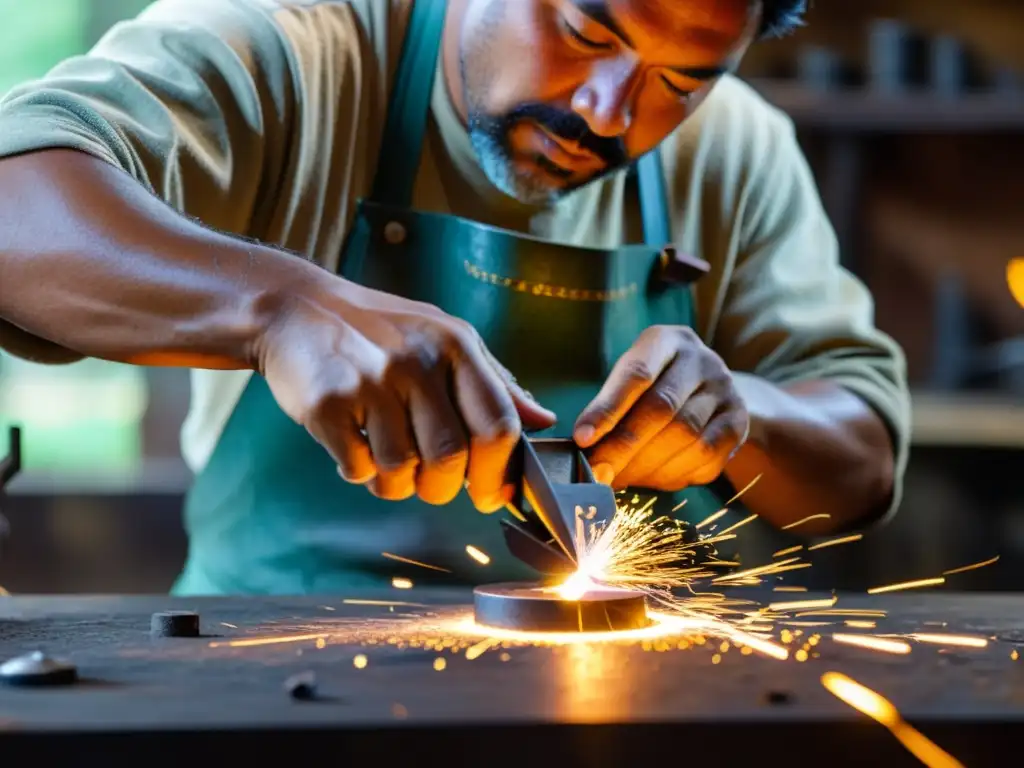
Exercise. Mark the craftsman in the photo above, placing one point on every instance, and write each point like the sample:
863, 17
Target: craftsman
387, 214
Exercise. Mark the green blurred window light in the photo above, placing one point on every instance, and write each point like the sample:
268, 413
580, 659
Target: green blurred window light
85, 416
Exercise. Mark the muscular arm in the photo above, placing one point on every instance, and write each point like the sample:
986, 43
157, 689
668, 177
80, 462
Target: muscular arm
97, 265
819, 449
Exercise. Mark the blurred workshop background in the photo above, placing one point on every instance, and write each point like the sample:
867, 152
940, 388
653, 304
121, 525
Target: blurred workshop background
912, 113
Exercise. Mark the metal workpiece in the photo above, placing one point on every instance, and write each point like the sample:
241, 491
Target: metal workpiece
536, 608
37, 669
174, 624
556, 496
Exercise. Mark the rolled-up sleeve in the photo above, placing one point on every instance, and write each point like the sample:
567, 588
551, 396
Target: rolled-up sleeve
792, 312
191, 99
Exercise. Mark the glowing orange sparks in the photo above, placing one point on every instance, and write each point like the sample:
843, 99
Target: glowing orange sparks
481, 557
972, 566
807, 519
873, 643
836, 542
908, 585
798, 605
875, 706
417, 563
400, 583
254, 641
963, 641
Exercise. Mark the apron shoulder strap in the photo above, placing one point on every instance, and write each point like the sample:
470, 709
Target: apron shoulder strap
409, 105
653, 200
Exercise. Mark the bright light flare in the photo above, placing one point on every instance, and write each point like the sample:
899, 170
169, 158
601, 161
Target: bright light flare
878, 708
873, 643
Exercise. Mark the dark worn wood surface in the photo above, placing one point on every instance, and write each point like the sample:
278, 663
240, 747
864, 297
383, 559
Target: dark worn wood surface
134, 683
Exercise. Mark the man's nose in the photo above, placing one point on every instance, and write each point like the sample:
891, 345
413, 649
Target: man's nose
605, 99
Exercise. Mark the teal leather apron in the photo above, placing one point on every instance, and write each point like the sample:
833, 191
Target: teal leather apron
269, 514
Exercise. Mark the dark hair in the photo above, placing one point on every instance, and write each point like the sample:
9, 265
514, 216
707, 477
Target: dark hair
780, 17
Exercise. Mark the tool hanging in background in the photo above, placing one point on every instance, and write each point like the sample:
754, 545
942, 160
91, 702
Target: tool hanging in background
556, 496
9, 467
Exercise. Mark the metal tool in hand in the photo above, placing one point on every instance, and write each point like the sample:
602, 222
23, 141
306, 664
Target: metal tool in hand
556, 498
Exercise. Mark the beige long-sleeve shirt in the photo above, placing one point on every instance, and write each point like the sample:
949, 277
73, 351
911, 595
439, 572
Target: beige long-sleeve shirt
264, 118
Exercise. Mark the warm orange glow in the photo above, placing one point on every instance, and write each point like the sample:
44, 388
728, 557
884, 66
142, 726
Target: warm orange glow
962, 641
873, 643
480, 556
399, 583
254, 641
907, 585
876, 707
1015, 279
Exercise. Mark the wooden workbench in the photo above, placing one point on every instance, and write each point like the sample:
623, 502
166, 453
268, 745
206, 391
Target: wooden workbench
595, 704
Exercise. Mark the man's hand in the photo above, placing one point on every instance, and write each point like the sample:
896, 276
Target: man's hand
406, 399
668, 417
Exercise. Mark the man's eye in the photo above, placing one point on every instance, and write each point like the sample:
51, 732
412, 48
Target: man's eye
675, 90
581, 39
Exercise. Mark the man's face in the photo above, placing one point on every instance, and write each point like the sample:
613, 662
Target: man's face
561, 92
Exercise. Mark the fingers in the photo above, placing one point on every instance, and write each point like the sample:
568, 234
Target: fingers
670, 398
633, 374
704, 459
442, 441
493, 425
531, 413
393, 446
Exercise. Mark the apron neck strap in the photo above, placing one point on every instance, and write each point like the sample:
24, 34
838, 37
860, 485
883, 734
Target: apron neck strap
409, 105
653, 203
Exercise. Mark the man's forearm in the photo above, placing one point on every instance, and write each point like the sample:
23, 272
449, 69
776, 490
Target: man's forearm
820, 450
91, 261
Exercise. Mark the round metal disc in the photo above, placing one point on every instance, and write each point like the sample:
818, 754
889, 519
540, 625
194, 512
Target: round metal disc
534, 608
37, 669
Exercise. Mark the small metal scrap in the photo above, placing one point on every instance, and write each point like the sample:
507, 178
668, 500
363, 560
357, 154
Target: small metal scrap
301, 686
554, 482
37, 669
175, 624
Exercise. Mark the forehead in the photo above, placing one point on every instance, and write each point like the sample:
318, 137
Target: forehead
669, 24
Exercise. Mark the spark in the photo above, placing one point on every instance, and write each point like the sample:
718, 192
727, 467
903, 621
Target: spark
229, 626
440, 663
788, 551
964, 641
400, 583
479, 555
276, 640
972, 566
860, 624
755, 571
746, 488
383, 603
907, 585
836, 542
359, 661
711, 518
480, 648
796, 605
808, 519
878, 708
873, 643
740, 524
417, 563
789, 589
